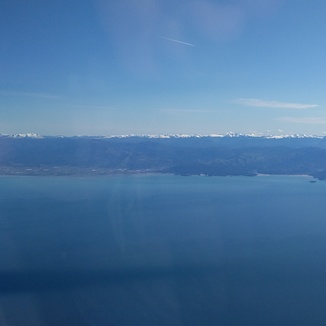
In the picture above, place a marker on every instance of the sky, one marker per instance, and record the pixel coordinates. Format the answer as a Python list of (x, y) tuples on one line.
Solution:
[(111, 67)]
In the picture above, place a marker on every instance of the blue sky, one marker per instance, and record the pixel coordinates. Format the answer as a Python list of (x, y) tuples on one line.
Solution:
[(101, 67)]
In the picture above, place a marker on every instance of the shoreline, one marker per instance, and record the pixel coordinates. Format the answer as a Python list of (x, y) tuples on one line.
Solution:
[(80, 173), (283, 175)]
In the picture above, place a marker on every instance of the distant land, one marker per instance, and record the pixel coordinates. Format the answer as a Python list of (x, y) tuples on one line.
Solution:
[(207, 155)]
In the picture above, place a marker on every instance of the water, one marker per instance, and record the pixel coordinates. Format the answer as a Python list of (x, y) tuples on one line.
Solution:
[(162, 250)]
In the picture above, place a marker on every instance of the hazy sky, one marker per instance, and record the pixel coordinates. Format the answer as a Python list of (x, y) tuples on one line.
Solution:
[(161, 66)]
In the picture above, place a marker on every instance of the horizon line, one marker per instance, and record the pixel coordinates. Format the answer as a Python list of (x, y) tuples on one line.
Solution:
[(171, 135)]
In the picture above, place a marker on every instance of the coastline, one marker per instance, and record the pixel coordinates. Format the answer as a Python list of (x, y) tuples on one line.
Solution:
[(283, 175), (87, 172)]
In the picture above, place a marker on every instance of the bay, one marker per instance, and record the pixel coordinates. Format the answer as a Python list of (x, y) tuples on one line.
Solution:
[(162, 250)]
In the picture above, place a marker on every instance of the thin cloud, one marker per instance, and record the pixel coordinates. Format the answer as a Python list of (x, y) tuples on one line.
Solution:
[(311, 121), (100, 107), (273, 104), (190, 110), (29, 94), (176, 41)]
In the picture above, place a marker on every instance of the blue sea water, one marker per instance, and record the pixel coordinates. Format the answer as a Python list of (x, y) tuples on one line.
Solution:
[(162, 250)]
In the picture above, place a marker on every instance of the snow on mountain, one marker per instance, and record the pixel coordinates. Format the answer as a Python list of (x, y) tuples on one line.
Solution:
[(28, 135), (169, 136)]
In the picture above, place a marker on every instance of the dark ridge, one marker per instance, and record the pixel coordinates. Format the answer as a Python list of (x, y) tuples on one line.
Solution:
[(220, 156)]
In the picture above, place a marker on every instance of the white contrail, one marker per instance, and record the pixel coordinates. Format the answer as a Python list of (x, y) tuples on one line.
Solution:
[(176, 41)]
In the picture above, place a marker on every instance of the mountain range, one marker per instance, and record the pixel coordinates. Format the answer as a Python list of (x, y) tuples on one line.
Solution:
[(211, 155)]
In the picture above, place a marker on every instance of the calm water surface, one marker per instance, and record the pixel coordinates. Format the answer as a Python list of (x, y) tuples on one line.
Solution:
[(162, 250)]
